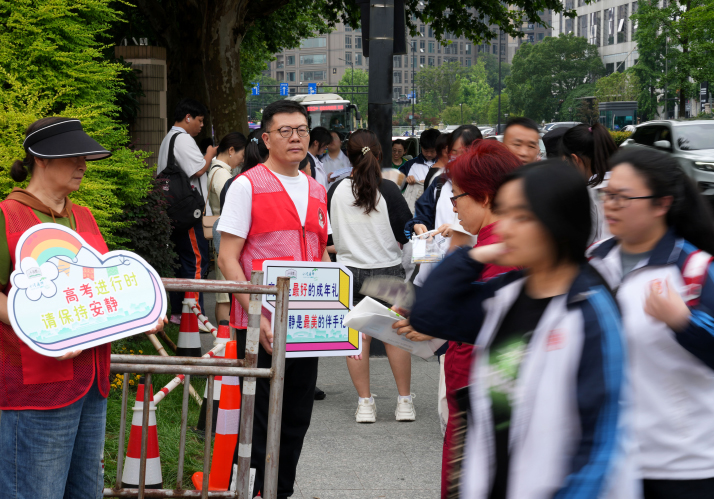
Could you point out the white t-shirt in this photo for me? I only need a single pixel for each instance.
(236, 215)
(188, 156)
(419, 171)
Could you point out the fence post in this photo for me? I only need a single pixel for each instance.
(275, 409)
(245, 442)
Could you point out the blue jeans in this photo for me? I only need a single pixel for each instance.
(54, 454)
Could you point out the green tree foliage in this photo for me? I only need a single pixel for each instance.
(618, 87)
(683, 29)
(491, 64)
(542, 75)
(457, 115)
(51, 64)
(441, 86)
(505, 109)
(475, 90)
(570, 110)
(361, 77)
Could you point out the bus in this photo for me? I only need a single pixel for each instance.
(330, 111)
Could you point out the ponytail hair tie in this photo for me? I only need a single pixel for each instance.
(255, 140)
(364, 150)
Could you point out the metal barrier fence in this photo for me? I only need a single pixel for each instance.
(246, 368)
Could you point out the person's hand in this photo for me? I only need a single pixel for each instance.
(70, 355)
(211, 151)
(419, 229)
(487, 254)
(159, 326)
(667, 306)
(329, 177)
(405, 328)
(266, 334)
(444, 230)
(411, 179)
(358, 357)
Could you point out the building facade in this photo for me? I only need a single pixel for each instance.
(324, 59)
(607, 25)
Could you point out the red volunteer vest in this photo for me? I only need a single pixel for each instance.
(275, 230)
(29, 380)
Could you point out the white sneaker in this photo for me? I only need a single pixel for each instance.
(405, 409)
(366, 411)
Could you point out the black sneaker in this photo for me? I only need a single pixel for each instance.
(319, 394)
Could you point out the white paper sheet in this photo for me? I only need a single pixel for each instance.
(375, 320)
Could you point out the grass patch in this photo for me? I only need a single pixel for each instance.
(168, 418)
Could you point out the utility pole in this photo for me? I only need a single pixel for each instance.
(381, 50)
(498, 128)
(414, 59)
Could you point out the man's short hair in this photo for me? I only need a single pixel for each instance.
(190, 107)
(322, 135)
(522, 121)
(427, 140)
(280, 107)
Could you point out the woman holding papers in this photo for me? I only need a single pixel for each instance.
(548, 404)
(367, 217)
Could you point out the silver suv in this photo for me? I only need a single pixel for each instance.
(690, 142)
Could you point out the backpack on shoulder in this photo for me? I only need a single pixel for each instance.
(185, 202)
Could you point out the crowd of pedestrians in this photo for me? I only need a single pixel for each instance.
(575, 296)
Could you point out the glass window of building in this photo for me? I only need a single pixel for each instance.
(431, 47)
(359, 30)
(468, 62)
(468, 49)
(431, 32)
(358, 59)
(422, 44)
(594, 34)
(422, 30)
(348, 29)
(312, 75)
(358, 42)
(313, 43)
(290, 76)
(348, 57)
(634, 23)
(583, 26)
(397, 61)
(422, 60)
(348, 41)
(313, 59)
(494, 49)
(280, 62)
(438, 60)
(280, 75)
(396, 92)
(290, 60)
(541, 36)
(622, 23)
(431, 61)
(397, 76)
(610, 26)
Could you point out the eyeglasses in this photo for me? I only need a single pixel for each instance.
(619, 200)
(287, 131)
(454, 198)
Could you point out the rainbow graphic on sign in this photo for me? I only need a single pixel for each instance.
(48, 243)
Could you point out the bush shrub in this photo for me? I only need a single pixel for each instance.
(620, 137)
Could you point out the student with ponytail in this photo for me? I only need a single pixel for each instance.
(255, 153)
(368, 217)
(589, 147)
(659, 264)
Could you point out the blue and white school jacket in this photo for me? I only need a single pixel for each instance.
(672, 373)
(569, 426)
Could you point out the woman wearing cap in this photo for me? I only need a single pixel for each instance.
(54, 409)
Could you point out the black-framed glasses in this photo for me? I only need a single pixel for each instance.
(287, 131)
(454, 198)
(619, 200)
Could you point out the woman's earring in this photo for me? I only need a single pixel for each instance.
(230, 155)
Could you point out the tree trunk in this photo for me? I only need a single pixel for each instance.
(223, 33)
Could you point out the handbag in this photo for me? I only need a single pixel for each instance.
(208, 222)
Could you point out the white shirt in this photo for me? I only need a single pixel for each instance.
(332, 165)
(419, 171)
(320, 174)
(236, 216)
(362, 241)
(188, 156)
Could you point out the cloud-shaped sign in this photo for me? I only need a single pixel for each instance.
(35, 279)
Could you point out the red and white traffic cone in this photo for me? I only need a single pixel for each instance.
(223, 337)
(130, 477)
(189, 340)
(226, 431)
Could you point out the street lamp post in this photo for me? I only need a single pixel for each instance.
(461, 108)
(413, 87)
(498, 128)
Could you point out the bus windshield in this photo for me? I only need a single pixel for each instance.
(331, 116)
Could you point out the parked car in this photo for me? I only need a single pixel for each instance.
(562, 124)
(629, 128)
(690, 142)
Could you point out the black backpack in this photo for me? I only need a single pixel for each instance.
(185, 202)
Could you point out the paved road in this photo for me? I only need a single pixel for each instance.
(385, 460)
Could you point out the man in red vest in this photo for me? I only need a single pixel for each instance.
(275, 212)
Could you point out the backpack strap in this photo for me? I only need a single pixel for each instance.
(694, 273)
(171, 161)
(439, 184)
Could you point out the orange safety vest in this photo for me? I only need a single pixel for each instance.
(29, 380)
(275, 230)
